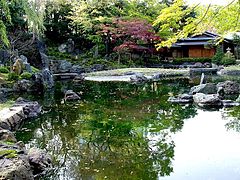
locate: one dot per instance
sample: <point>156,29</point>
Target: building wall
<point>200,51</point>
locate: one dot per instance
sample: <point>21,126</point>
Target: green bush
<point>228,59</point>
<point>4,70</point>
<point>12,76</point>
<point>191,60</point>
<point>34,70</point>
<point>26,75</point>
<point>217,58</point>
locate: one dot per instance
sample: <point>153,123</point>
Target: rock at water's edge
<point>207,100</point>
<point>208,88</point>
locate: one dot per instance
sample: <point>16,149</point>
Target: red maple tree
<point>130,35</point>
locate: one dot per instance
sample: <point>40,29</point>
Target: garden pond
<point>128,131</point>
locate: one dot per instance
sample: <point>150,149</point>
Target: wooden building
<point>199,46</point>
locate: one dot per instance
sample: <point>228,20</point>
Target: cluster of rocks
<point>63,66</point>
<point>226,72</point>
<point>15,161</point>
<point>35,84</point>
<point>184,65</point>
<point>210,95</point>
<point>137,77</point>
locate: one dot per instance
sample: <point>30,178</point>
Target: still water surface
<point>125,131</point>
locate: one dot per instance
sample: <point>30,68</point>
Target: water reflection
<point>117,131</point>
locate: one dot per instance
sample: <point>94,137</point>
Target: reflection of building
<point>198,46</point>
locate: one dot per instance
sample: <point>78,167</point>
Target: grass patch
<point>3,78</point>
<point>7,104</point>
<point>236,67</point>
<point>8,153</point>
<point>145,71</point>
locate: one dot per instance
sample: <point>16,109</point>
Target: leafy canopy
<point>179,21</point>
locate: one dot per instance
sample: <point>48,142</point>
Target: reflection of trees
<point>233,117</point>
<point>117,131</point>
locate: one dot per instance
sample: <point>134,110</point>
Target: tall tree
<point>179,21</point>
<point>23,14</point>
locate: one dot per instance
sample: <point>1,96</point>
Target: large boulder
<point>77,69</point>
<point>208,88</point>
<point>4,93</point>
<point>15,168</point>
<point>229,87</point>
<point>98,67</point>
<point>65,66</point>
<point>182,98</point>
<point>14,163</point>
<point>60,66</point>
<point>39,160</point>
<point>30,108</point>
<point>23,86</point>
<point>207,100</point>
<point>138,78</point>
<point>7,136</point>
<point>11,118</point>
<point>27,67</point>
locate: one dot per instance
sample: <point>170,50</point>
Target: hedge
<point>191,60</point>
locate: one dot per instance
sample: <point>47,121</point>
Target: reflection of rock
<point>230,103</point>
<point>39,160</point>
<point>208,88</point>
<point>47,79</point>
<point>70,95</point>
<point>207,100</point>
<point>229,87</point>
<point>138,78</point>
<point>182,98</point>
<point>79,79</point>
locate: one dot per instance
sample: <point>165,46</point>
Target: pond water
<point>125,131</point>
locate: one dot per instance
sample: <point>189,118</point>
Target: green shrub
<point>217,58</point>
<point>4,70</point>
<point>34,70</point>
<point>228,59</point>
<point>26,75</point>
<point>12,76</point>
<point>191,60</point>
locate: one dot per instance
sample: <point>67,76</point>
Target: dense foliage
<point>102,28</point>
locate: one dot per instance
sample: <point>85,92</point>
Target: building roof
<point>206,38</point>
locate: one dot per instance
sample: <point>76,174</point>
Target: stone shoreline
<point>15,161</point>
